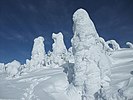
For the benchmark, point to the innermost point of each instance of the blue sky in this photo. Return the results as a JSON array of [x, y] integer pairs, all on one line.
[[23, 20]]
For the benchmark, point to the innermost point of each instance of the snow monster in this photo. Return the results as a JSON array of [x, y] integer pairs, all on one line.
[[92, 65]]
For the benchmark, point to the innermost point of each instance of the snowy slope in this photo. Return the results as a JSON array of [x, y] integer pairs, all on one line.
[[44, 84], [122, 72], [122, 65]]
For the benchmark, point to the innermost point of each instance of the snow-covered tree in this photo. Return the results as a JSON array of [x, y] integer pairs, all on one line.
[[89, 55], [38, 56], [12, 69], [129, 44], [59, 49]]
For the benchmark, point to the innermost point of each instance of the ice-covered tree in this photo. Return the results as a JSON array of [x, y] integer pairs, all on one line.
[[12, 69], [38, 54], [49, 60], [129, 44], [89, 56], [59, 49]]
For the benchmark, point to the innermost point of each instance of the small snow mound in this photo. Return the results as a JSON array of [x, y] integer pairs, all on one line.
[[12, 68]]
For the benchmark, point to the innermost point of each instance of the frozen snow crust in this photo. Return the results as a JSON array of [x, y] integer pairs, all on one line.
[[89, 70]]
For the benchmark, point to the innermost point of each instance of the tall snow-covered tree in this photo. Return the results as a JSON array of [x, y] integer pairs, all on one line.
[[89, 75], [38, 54], [59, 49]]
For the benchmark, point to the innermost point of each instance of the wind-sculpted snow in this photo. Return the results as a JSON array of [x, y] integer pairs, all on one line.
[[121, 77], [44, 84], [92, 69]]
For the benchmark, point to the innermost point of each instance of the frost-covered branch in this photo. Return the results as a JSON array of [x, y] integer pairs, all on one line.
[[114, 44], [105, 45]]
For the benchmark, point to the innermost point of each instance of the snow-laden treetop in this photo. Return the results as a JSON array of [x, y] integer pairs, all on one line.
[[83, 24], [58, 45], [38, 47]]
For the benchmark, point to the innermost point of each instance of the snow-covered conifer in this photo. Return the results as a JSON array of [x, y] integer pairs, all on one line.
[[59, 49], [88, 54], [38, 54]]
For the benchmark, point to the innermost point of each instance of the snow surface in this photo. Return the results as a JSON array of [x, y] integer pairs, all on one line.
[[89, 70], [43, 84]]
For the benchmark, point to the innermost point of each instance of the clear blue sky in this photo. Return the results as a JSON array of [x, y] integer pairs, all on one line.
[[23, 20]]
